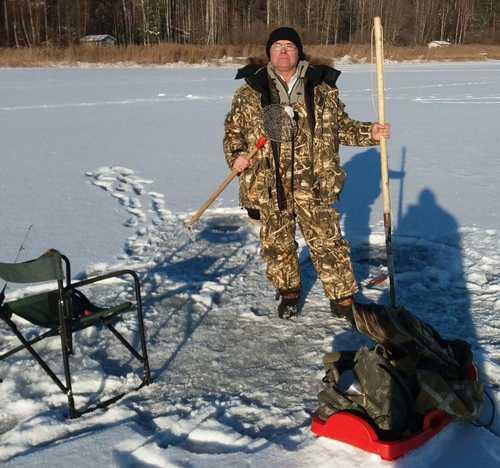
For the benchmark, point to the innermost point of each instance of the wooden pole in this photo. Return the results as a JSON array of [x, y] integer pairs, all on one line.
[[379, 52], [261, 142]]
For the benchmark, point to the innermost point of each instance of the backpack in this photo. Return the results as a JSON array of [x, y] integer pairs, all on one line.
[[410, 371], [380, 393], [80, 305]]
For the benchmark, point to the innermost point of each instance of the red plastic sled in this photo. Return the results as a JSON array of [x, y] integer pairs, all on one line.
[[354, 430]]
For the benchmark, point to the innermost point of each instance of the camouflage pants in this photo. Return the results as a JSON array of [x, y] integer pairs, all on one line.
[[329, 252]]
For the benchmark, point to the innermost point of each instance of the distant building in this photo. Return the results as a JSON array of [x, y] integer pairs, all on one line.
[[98, 39], [433, 44]]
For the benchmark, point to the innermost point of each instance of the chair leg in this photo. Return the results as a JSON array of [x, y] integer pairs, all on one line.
[[31, 342], [69, 342], [142, 333], [67, 375], [65, 346], [37, 357], [124, 342]]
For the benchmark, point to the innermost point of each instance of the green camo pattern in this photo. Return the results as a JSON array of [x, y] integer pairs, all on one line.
[[312, 180], [386, 398], [411, 371], [440, 365], [314, 172], [329, 252]]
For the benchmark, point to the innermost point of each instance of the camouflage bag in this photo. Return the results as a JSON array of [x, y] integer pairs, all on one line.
[[441, 366], [381, 393], [411, 371]]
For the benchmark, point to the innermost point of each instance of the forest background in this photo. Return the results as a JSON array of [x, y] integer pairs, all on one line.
[[193, 30]]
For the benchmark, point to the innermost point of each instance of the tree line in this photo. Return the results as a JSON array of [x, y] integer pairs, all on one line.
[[28, 23]]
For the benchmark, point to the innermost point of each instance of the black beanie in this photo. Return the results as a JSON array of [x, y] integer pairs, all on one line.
[[285, 34]]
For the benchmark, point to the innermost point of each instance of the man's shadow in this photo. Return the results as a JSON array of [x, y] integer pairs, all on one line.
[[430, 268], [434, 262], [426, 243], [427, 247], [361, 189], [428, 257]]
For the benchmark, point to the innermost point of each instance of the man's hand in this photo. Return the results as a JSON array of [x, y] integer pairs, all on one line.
[[381, 131], [241, 163]]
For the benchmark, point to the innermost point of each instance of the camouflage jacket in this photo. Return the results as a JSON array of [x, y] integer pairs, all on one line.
[[309, 167]]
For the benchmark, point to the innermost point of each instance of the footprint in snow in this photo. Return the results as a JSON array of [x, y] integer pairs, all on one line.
[[150, 224], [7, 422]]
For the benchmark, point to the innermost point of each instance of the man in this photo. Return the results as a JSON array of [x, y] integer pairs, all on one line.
[[298, 181]]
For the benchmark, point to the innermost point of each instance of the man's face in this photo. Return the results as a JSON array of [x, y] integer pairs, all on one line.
[[284, 56]]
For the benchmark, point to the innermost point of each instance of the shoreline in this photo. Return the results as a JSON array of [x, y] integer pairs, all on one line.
[[227, 64], [175, 55]]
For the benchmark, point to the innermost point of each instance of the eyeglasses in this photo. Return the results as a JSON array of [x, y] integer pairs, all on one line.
[[280, 46]]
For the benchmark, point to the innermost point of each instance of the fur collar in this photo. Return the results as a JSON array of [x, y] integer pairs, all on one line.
[[256, 75]]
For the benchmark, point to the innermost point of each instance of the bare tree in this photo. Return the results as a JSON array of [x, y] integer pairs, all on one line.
[[6, 20], [33, 22], [464, 13]]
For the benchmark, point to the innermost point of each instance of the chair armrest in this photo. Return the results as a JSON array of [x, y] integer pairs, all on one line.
[[114, 274], [68, 269]]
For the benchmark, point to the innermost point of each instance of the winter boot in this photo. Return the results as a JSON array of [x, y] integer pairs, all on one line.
[[289, 305], [344, 308]]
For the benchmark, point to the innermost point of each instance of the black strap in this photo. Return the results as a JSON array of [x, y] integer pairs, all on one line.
[[80, 303]]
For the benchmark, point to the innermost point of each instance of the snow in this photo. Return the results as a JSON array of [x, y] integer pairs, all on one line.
[[434, 44], [108, 163]]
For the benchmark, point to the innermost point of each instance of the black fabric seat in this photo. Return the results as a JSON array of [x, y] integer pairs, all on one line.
[[39, 310]]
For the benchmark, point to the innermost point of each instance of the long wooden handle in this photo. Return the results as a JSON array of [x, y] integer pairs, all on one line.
[[261, 142], [379, 51]]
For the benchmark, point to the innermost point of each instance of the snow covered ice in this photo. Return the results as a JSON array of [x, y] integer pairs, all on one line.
[[108, 163]]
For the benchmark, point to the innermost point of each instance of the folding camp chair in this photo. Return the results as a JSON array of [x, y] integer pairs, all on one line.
[[62, 313]]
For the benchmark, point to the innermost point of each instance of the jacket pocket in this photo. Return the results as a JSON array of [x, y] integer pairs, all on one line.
[[331, 181]]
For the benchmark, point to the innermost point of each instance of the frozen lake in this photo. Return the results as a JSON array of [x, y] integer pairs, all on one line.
[[166, 124], [232, 384]]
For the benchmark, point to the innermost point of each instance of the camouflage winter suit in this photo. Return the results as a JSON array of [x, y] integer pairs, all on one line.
[[297, 182]]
